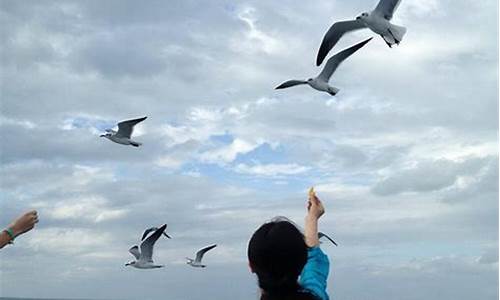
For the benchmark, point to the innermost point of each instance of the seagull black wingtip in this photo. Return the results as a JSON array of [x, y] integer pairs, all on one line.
[[361, 44], [319, 60], [320, 57], [367, 40]]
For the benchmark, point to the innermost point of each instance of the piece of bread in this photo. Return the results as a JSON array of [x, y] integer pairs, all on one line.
[[312, 193]]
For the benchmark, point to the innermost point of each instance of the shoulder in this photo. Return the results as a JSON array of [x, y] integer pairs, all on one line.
[[315, 273], [317, 255]]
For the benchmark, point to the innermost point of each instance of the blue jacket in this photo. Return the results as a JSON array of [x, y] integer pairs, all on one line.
[[315, 273]]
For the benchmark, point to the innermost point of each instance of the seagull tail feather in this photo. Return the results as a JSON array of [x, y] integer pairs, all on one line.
[[398, 31]]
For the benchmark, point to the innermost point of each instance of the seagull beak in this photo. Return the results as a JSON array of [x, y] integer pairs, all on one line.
[[102, 135]]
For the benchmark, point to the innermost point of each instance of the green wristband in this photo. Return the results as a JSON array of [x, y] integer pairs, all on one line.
[[10, 233]]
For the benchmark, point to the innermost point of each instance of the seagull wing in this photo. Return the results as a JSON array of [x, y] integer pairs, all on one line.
[[386, 8], [148, 244], [201, 252], [337, 59], [321, 234], [336, 31], [290, 83], [135, 252], [147, 231], [125, 128]]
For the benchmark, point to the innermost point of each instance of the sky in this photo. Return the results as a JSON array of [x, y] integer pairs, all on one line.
[[404, 157]]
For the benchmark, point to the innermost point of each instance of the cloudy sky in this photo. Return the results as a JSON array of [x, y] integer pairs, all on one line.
[[405, 157]]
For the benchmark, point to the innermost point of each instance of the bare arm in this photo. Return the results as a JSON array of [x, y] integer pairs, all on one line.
[[315, 272], [23, 224], [315, 210], [4, 239]]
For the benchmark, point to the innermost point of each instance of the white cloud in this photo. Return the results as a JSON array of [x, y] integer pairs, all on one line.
[[169, 162], [419, 8], [92, 209], [64, 241], [228, 153], [407, 119], [427, 176], [89, 208], [271, 170], [24, 123], [256, 39], [490, 256], [83, 174]]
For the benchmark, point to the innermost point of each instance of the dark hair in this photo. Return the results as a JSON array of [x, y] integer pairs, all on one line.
[[277, 253]]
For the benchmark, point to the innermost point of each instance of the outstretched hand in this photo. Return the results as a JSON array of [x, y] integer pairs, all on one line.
[[24, 223], [315, 210], [315, 207]]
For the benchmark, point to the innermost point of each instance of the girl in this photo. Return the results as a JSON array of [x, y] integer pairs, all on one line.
[[279, 253]]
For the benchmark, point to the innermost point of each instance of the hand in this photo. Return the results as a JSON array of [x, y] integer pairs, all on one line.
[[315, 208], [24, 223]]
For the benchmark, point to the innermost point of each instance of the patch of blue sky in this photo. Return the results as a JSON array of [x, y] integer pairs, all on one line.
[[264, 154], [82, 122], [225, 138], [216, 141], [227, 175], [230, 7], [213, 171]]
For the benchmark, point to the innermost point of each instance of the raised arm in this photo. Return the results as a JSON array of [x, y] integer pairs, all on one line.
[[315, 210], [24, 223], [315, 273]]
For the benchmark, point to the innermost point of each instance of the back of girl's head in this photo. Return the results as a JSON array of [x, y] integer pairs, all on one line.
[[277, 253]]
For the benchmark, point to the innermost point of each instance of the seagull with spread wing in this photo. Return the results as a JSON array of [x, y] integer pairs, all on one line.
[[124, 133], [320, 82], [377, 20], [147, 231], [144, 256], [321, 235], [199, 256]]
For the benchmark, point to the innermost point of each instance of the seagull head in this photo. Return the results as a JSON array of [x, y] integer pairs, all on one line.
[[362, 16]]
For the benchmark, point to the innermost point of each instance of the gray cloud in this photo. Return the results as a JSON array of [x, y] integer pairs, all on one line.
[[418, 279], [427, 176], [405, 158], [121, 54]]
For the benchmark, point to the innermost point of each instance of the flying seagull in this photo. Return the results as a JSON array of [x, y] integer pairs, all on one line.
[[321, 234], [199, 255], [320, 82], [376, 20], [144, 257], [147, 231], [125, 129]]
